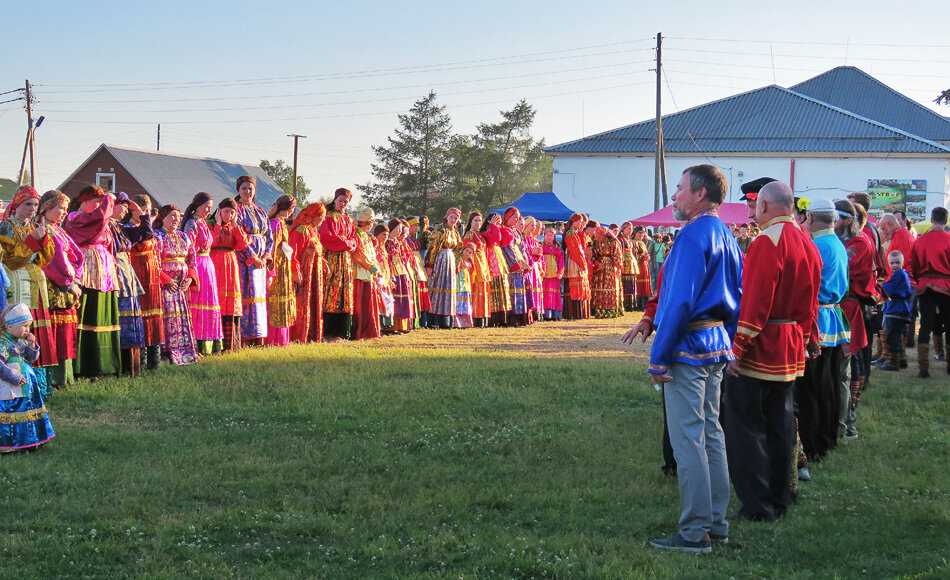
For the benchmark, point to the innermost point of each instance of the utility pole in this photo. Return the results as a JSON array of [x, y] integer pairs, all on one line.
[[158, 138], [29, 137], [296, 141], [659, 181]]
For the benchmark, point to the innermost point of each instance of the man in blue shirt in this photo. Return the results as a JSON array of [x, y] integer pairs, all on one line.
[[697, 314]]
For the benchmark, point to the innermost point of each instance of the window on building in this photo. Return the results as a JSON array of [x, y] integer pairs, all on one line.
[[106, 181]]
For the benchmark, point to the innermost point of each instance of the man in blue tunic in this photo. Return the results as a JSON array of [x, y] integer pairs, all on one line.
[[697, 314], [818, 392]]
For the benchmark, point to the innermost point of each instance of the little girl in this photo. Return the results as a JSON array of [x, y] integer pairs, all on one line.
[[463, 292], [23, 419]]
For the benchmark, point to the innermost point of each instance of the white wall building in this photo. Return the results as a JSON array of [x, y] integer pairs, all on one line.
[[820, 149]]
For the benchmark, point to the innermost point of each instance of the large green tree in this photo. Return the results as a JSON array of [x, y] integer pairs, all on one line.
[[500, 161], [283, 174], [411, 173]]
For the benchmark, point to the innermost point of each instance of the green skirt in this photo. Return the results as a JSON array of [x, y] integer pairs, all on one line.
[[97, 344]]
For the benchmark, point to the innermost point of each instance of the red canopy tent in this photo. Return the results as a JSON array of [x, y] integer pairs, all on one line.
[[730, 213]]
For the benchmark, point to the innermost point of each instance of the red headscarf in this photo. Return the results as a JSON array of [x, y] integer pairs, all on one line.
[[307, 215], [24, 193], [510, 212]]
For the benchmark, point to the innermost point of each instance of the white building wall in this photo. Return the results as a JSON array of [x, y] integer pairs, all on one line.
[[613, 189]]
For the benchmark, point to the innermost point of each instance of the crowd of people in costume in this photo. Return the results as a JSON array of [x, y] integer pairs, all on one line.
[[114, 285], [779, 338]]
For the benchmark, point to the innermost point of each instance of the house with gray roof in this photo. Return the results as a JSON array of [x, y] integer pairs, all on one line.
[[836, 133], [166, 178]]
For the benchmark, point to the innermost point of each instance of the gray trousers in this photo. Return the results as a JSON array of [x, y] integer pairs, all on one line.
[[692, 409]]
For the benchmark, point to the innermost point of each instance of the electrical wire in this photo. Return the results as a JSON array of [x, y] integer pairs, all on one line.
[[360, 102]]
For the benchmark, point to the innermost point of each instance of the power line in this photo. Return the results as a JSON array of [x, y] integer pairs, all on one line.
[[348, 115], [323, 93], [11, 100], [360, 102], [459, 65], [11, 91], [807, 43]]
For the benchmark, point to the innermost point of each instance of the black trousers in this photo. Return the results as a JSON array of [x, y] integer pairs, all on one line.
[[934, 314], [669, 461], [818, 403], [760, 436]]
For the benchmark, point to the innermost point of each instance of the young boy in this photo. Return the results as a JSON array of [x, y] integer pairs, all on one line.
[[896, 311]]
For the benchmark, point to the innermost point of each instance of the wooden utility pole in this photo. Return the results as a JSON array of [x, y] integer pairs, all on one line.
[[158, 138], [296, 141], [29, 136], [659, 180]]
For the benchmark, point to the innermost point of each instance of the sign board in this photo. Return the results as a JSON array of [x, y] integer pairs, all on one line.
[[906, 195]]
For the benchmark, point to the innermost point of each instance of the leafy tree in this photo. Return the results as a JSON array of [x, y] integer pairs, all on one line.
[[283, 174], [944, 98], [501, 161], [410, 173]]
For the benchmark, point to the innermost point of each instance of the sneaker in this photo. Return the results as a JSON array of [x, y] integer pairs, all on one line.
[[804, 474], [678, 542], [940, 357], [851, 435], [720, 538]]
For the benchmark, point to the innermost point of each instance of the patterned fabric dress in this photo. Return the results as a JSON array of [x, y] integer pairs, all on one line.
[[205, 304], [98, 351], [463, 308], [420, 282], [512, 246], [499, 293], [481, 280], [605, 284], [131, 329], [577, 306], [147, 266], [308, 266], [442, 282], [366, 297], [628, 274], [553, 273], [642, 255], [534, 275], [339, 240], [61, 273], [386, 322], [281, 299], [24, 259], [23, 419], [253, 221], [178, 263], [403, 311], [226, 241]]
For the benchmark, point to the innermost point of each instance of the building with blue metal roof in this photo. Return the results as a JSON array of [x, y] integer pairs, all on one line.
[[820, 148]]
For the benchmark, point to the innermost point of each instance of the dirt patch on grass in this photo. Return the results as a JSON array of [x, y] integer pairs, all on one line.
[[577, 338]]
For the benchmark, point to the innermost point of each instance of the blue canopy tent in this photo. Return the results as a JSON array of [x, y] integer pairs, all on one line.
[[544, 206]]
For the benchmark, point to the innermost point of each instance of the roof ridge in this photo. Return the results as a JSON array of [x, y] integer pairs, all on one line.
[[880, 83], [867, 119], [178, 155]]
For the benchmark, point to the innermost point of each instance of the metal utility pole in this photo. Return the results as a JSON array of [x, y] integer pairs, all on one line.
[[29, 136], [659, 181], [158, 138], [296, 141]]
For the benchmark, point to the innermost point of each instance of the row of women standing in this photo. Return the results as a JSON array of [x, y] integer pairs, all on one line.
[[114, 285]]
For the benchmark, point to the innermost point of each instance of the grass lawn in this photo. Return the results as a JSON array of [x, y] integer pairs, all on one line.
[[520, 453]]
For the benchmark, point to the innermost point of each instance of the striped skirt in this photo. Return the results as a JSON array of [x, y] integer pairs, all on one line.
[[519, 304], [442, 284]]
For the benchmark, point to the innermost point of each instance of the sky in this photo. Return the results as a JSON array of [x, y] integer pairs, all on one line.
[[231, 80]]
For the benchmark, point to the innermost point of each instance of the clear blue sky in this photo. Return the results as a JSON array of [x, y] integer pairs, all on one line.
[[231, 79]]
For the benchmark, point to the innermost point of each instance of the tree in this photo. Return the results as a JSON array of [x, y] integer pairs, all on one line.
[[501, 161], [944, 98], [283, 174], [410, 174]]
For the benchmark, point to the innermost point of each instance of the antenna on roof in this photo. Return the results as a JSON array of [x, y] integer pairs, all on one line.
[[772, 56]]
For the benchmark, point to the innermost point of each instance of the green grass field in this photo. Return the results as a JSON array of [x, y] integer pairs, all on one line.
[[504, 453]]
